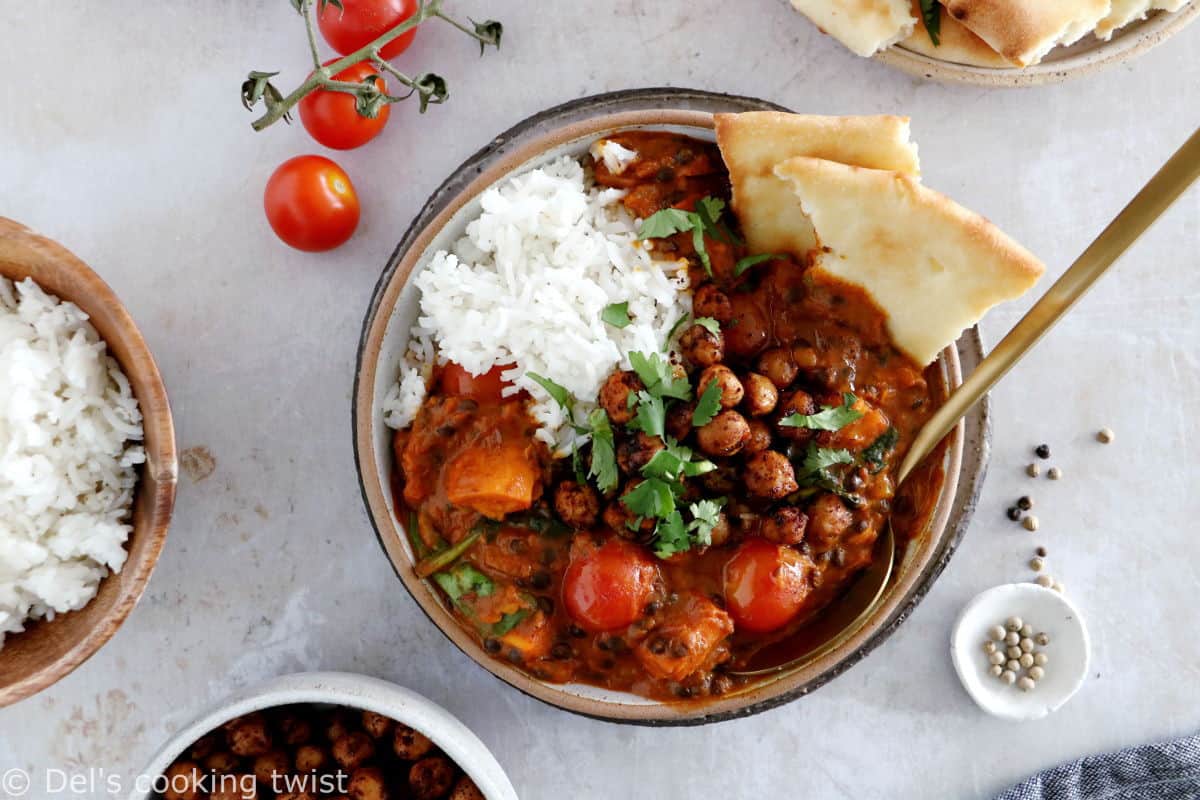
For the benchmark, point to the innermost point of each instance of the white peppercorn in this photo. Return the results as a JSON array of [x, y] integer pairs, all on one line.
[[1043, 639], [1045, 581], [1033, 470], [995, 670], [1008, 676], [1013, 665], [989, 647], [1040, 659], [996, 632], [1026, 683], [1026, 645], [1026, 660], [1037, 673], [1026, 631], [1054, 473], [1013, 652], [996, 658], [1014, 623], [1030, 522], [1036, 564], [1106, 435]]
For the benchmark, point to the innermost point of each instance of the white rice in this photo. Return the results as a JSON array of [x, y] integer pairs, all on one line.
[[527, 286], [68, 431]]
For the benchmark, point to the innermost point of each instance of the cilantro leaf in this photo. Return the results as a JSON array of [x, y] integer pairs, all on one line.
[[708, 406], [746, 263], [709, 324], [658, 377], [673, 462], [667, 222], [557, 392], [876, 453], [829, 418], [651, 418], [653, 498], [616, 315], [671, 536], [464, 579], [705, 516], [709, 209], [931, 14], [818, 459], [702, 221], [604, 457]]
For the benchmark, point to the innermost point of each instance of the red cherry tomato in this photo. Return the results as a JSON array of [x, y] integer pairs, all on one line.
[[331, 117], [455, 380], [608, 588], [765, 585], [360, 22], [311, 203]]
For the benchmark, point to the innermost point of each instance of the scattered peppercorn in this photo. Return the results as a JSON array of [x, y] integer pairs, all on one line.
[[1014, 513], [1013, 652], [1042, 451], [1106, 435], [1030, 523], [1026, 660], [1014, 623], [1043, 639], [1026, 631], [1058, 587], [1040, 659], [1036, 564], [1033, 470], [1054, 474], [996, 670], [1037, 673], [996, 632], [989, 647], [1045, 581], [1012, 639], [1026, 683], [1008, 676], [1026, 645], [1041, 551], [996, 658]]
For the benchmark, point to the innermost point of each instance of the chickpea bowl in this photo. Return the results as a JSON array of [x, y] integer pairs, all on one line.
[[324, 734]]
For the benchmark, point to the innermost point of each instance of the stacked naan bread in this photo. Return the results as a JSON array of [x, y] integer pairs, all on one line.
[[988, 33]]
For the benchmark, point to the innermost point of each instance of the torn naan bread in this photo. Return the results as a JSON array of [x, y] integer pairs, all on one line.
[[955, 43], [1023, 31], [753, 143], [1126, 11], [934, 267], [864, 26]]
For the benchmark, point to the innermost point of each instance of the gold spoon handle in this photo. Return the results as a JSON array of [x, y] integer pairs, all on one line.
[[1149, 204]]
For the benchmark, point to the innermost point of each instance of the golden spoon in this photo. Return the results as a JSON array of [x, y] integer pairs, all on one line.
[[1156, 197]]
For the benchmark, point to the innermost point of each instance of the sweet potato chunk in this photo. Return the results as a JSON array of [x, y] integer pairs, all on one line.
[[493, 481], [687, 640]]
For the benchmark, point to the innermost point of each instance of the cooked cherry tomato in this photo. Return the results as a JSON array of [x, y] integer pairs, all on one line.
[[360, 22], [765, 585], [455, 380], [608, 588], [311, 203], [331, 117]]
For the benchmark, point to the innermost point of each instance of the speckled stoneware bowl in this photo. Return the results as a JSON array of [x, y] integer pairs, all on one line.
[[1062, 63], [569, 129], [351, 691]]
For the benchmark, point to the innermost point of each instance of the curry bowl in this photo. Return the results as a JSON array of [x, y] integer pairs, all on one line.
[[48, 650], [570, 130]]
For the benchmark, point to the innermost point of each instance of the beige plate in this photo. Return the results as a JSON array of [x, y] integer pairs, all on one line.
[[47, 651], [1062, 63], [569, 130]]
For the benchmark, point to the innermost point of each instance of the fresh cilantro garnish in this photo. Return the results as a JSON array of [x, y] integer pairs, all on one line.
[[673, 462], [829, 418], [653, 498], [673, 535], [876, 454], [819, 459], [702, 221], [463, 579], [658, 377], [667, 222], [508, 622], [557, 392], [616, 315], [705, 516], [931, 14], [708, 406], [604, 457], [746, 263], [651, 418], [709, 324]]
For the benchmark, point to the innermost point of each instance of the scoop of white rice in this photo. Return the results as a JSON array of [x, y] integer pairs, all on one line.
[[527, 286], [68, 431]]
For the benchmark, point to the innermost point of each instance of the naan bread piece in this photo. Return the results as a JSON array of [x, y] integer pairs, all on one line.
[[934, 267], [1023, 31], [752, 144], [864, 26], [955, 43], [1121, 14]]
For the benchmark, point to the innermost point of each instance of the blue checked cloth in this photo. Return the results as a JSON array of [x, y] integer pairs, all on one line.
[[1165, 771]]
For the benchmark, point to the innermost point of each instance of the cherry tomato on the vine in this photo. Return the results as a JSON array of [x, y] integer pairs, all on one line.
[[360, 22], [332, 117], [765, 585], [311, 203]]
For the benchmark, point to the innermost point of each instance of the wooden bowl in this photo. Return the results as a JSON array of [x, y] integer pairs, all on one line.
[[568, 130], [48, 650]]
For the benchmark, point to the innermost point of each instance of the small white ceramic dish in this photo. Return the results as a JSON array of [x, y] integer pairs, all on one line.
[[353, 691], [1047, 611]]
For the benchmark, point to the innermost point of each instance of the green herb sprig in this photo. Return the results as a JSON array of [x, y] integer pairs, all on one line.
[[703, 221]]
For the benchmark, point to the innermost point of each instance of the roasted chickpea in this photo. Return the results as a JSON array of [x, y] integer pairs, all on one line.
[[747, 332], [732, 391], [352, 750], [296, 729], [466, 789], [797, 402], [636, 452], [769, 474], [301, 795], [679, 420], [761, 394], [709, 301], [221, 762], [777, 365], [409, 744], [784, 525], [724, 435], [367, 783], [721, 531], [268, 765], [248, 736], [614, 396], [576, 504], [376, 725], [760, 437], [431, 777], [805, 357], [311, 758], [233, 787], [338, 724], [828, 519], [182, 781], [205, 746], [701, 347]]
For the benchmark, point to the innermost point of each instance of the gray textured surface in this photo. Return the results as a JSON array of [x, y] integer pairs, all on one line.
[[150, 172]]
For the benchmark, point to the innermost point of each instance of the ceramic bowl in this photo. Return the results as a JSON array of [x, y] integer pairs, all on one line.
[[47, 651], [351, 691], [569, 130]]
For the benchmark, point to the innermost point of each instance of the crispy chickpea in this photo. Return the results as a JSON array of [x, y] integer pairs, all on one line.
[[709, 301], [234, 787], [221, 761], [268, 765], [769, 474], [352, 750], [828, 519], [797, 402], [701, 347], [248, 736], [376, 725], [410, 744], [431, 777], [302, 795], [182, 781], [367, 783], [721, 531], [614, 396], [747, 333], [777, 365], [636, 452], [805, 357], [466, 789], [760, 437], [576, 504], [679, 420], [732, 391], [337, 724], [724, 435], [761, 394], [205, 746], [296, 729], [784, 525], [311, 758]]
